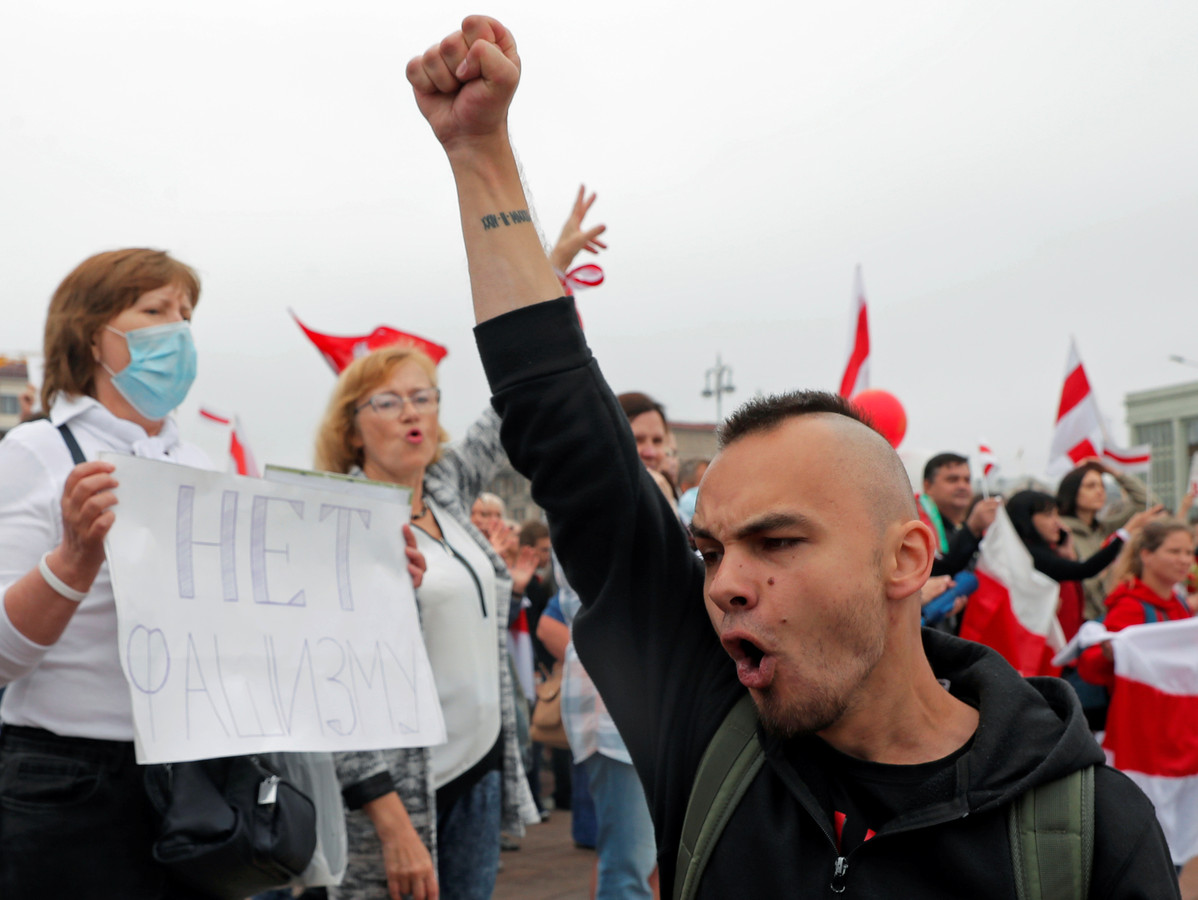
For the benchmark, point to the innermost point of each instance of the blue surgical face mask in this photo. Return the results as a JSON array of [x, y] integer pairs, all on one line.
[[162, 366]]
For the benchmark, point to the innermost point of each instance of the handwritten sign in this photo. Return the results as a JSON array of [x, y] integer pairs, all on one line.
[[259, 616]]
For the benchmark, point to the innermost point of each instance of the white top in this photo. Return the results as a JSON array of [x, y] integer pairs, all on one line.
[[74, 687], [457, 610]]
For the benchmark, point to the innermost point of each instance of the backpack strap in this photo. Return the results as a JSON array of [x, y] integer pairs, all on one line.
[[1151, 616], [1052, 838], [72, 444], [731, 761]]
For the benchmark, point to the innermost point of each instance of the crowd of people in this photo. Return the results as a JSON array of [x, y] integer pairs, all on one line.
[[770, 597]]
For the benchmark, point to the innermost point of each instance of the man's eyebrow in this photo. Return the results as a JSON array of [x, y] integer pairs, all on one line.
[[772, 522], [766, 522]]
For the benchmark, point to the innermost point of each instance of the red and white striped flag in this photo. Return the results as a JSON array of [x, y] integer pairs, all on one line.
[[1130, 459], [987, 461], [1078, 433], [339, 351], [241, 458], [856, 370], [519, 648], [1152, 725], [1014, 609]]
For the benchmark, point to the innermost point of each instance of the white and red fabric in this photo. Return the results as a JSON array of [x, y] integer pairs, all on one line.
[[519, 646], [588, 275], [241, 458], [987, 461], [1152, 725], [340, 350], [1128, 459], [1014, 609], [856, 370], [1078, 433]]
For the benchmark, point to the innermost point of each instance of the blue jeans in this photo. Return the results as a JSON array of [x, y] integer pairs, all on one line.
[[627, 849], [468, 842], [582, 808]]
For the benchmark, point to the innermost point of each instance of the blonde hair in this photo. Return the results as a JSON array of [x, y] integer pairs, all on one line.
[[1150, 539], [100, 288], [335, 450]]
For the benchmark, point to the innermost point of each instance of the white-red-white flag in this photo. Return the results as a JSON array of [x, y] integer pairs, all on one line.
[[856, 370], [1014, 609], [519, 648], [241, 458], [1128, 459], [987, 461], [1078, 433], [1152, 725]]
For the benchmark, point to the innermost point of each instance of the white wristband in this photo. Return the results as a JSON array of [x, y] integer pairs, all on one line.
[[60, 587], [1124, 535]]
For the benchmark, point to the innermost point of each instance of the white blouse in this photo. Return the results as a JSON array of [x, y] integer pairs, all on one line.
[[458, 609], [74, 687]]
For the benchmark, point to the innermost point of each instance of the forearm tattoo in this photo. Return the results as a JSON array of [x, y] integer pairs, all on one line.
[[515, 217]]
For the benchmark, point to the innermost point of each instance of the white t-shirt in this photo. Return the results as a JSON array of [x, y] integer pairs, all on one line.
[[458, 609], [74, 687]]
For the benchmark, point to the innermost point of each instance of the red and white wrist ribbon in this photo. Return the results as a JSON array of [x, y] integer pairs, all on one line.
[[588, 275]]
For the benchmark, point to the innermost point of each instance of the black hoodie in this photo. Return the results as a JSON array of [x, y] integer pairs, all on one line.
[[646, 641]]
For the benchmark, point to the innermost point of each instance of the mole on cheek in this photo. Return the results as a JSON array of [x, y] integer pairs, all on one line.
[[770, 582]]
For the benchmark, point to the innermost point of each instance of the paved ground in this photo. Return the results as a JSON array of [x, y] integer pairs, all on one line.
[[547, 866]]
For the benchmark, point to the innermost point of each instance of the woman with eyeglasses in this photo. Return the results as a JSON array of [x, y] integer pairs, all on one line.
[[426, 822]]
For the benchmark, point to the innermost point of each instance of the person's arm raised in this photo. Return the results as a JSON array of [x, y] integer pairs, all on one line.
[[463, 87]]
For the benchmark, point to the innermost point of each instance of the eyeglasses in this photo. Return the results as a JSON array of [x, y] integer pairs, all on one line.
[[390, 404]]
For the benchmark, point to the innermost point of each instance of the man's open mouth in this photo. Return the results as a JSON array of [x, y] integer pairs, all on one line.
[[754, 664]]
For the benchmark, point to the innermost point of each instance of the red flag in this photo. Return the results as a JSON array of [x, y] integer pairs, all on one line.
[[243, 462], [1152, 726], [340, 351], [1014, 608], [856, 370]]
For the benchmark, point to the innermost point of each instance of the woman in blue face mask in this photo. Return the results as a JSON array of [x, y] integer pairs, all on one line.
[[74, 820]]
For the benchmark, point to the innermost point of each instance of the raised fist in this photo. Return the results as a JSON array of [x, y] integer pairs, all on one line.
[[464, 84]]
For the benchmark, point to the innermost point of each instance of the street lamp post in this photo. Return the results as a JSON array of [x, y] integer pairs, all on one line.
[[718, 381]]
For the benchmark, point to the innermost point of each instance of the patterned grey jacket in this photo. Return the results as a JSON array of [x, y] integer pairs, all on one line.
[[453, 482]]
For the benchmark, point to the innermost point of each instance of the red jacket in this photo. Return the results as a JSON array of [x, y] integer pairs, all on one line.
[[1124, 607]]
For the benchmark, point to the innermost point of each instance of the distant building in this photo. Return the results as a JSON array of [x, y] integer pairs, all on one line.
[[13, 378], [694, 440], [1166, 418]]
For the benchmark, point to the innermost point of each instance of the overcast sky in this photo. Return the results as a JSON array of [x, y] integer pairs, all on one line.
[[1006, 174]]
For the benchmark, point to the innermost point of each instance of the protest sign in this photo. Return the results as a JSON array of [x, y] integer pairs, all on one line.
[[259, 616]]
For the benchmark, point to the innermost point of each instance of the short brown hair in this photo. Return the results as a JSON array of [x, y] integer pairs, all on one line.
[[335, 451], [634, 404], [99, 289], [532, 531]]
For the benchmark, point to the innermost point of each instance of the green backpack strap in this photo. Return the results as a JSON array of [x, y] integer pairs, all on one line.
[[1052, 838], [731, 761]]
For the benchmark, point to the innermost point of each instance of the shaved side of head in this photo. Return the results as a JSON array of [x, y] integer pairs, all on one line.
[[869, 463]]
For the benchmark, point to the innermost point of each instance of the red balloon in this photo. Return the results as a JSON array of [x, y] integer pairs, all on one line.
[[885, 412]]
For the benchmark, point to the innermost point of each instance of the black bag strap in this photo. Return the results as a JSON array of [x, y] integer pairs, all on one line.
[[1051, 827], [731, 761], [72, 444]]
